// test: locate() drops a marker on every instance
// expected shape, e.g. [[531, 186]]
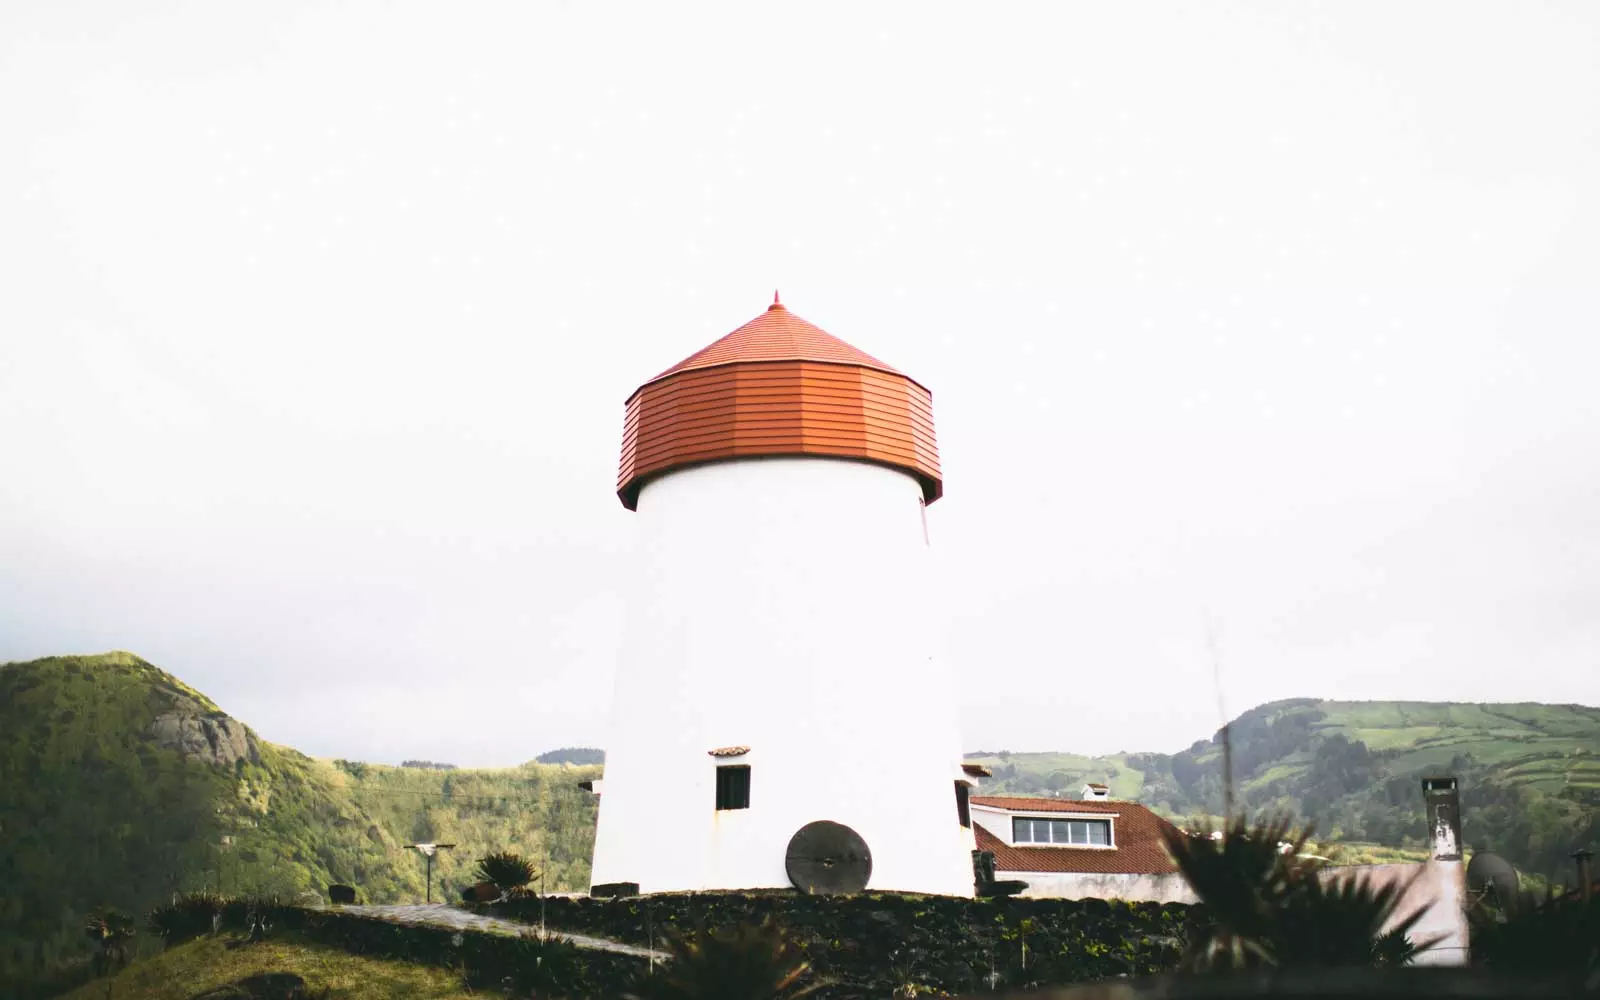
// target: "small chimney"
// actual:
[[1095, 792], [1585, 879]]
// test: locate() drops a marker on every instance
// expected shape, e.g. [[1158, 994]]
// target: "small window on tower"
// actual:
[[733, 786], [963, 806]]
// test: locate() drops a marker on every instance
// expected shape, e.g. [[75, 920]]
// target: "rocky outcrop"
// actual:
[[211, 737]]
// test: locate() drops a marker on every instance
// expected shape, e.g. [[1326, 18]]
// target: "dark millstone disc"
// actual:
[[827, 858]]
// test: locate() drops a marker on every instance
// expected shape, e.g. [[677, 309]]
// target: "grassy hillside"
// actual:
[[211, 964], [120, 785], [1530, 774]]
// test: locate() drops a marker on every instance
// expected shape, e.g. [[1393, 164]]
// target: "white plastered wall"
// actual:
[[788, 605]]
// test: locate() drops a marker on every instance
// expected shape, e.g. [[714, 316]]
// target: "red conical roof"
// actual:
[[777, 335], [778, 386]]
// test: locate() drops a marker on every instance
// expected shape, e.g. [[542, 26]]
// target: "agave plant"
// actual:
[[1347, 920], [748, 962], [1245, 878], [505, 871], [1271, 905]]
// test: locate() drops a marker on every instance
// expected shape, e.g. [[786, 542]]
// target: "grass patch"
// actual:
[[1274, 773], [1365, 853], [183, 972]]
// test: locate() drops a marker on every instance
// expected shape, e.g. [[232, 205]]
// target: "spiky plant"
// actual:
[[1270, 904], [187, 916], [1346, 920], [748, 962], [505, 871], [1244, 878]]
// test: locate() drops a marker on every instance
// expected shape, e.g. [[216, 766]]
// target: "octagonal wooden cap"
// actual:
[[778, 386]]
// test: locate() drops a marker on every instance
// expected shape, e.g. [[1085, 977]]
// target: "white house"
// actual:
[[1099, 848], [780, 664], [1087, 848]]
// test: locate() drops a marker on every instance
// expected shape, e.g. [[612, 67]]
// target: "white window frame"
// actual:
[[1109, 819]]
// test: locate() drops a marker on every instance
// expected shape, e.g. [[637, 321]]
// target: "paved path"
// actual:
[[445, 915]]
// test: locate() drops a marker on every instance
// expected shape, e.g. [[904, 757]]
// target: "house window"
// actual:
[[963, 808], [733, 786], [1073, 832]]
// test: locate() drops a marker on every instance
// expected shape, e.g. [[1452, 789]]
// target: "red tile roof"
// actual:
[[1137, 831], [1025, 803], [777, 386], [777, 335]]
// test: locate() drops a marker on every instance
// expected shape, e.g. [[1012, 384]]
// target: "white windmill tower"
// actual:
[[779, 668]]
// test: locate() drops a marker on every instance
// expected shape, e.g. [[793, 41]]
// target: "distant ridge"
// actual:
[[572, 755]]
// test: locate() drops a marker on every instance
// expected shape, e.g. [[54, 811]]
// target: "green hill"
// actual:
[[120, 785], [1530, 774]]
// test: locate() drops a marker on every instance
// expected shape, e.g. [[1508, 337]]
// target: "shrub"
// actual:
[[505, 871], [1271, 907], [186, 917]]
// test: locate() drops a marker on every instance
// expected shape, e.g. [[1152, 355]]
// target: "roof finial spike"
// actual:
[[776, 303]]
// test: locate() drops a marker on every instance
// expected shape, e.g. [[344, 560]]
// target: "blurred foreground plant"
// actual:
[[1532, 935], [1271, 904], [747, 962]]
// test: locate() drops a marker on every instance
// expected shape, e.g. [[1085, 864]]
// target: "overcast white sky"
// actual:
[[317, 319]]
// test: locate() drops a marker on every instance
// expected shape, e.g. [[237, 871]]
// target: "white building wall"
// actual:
[[1134, 888], [786, 605], [996, 822], [1436, 887]]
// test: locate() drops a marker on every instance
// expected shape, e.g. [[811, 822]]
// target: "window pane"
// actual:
[[1041, 831], [1058, 831], [1100, 833], [733, 787], [1080, 832], [1022, 830]]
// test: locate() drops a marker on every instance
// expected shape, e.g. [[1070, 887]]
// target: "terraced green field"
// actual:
[[1529, 773], [1058, 773]]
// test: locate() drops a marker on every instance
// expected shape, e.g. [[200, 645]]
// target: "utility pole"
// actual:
[[428, 851], [1227, 735]]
